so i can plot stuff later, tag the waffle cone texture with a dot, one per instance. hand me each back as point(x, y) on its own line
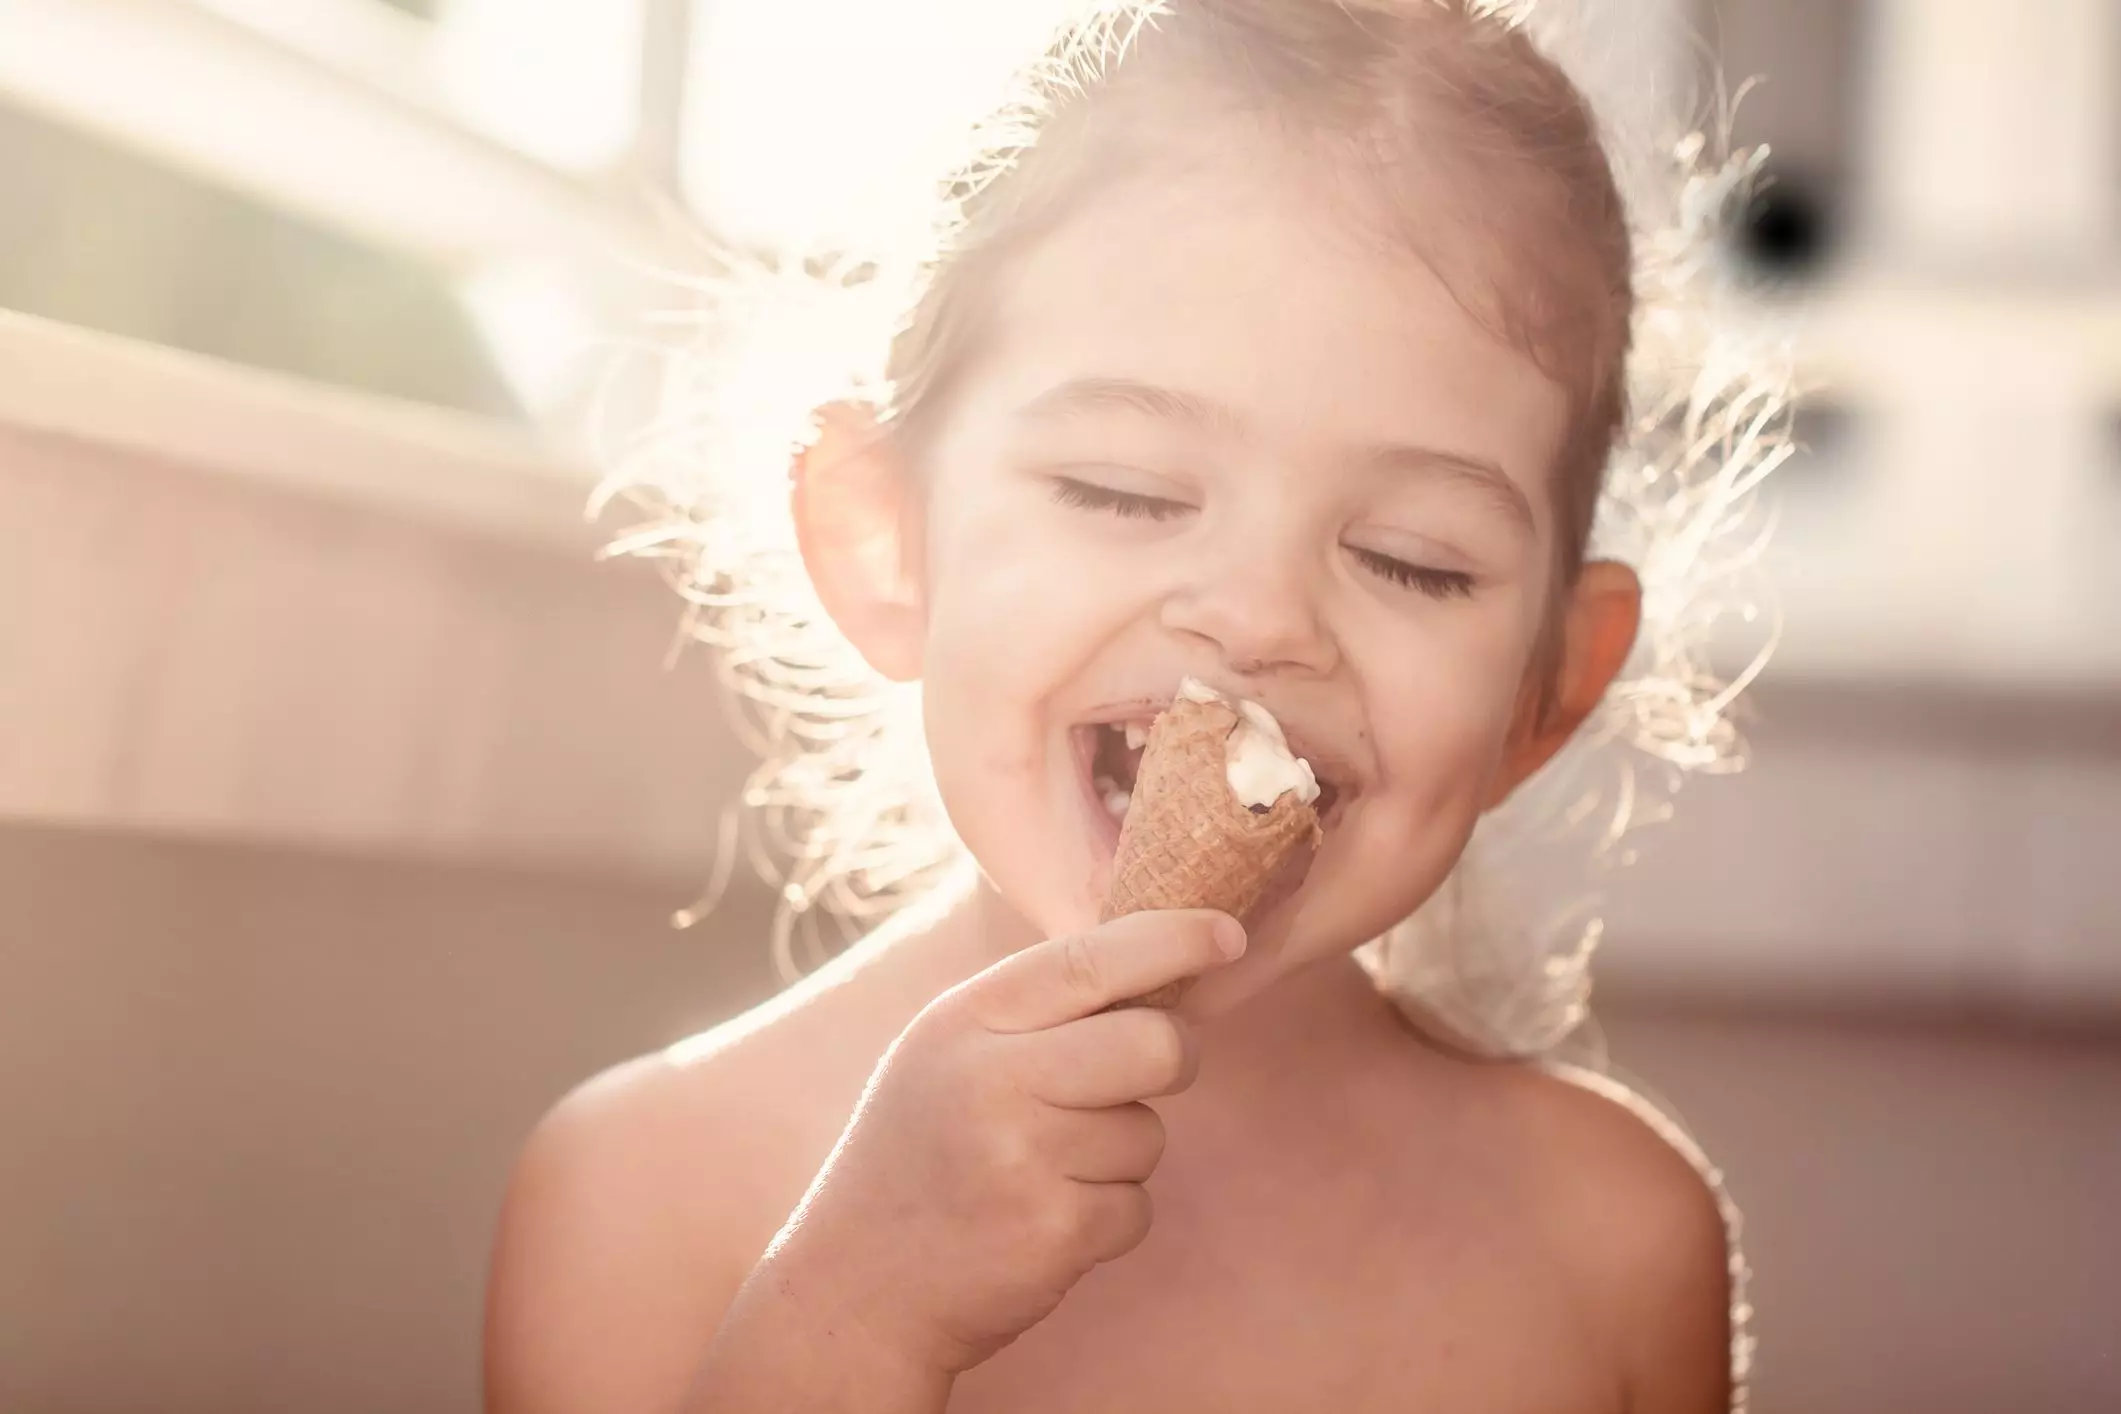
point(1187, 841)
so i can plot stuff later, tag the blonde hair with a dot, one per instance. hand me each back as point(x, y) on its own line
point(1540, 244)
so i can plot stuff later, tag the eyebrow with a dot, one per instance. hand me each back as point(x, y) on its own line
point(1477, 473)
point(1170, 404)
point(1131, 395)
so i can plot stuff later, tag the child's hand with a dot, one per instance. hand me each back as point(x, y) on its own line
point(999, 1151)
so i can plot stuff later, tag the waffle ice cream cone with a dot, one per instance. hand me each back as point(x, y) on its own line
point(1188, 841)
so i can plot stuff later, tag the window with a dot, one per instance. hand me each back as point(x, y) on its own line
point(434, 200)
point(559, 80)
point(449, 201)
point(108, 240)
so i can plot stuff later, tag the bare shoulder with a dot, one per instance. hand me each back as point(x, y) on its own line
point(643, 1198)
point(636, 1210)
point(612, 1260)
point(1637, 1228)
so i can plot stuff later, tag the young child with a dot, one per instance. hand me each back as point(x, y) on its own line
point(1291, 356)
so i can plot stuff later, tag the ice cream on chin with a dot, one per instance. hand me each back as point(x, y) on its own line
point(1261, 766)
point(1220, 813)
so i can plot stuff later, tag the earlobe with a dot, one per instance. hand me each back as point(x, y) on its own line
point(1601, 619)
point(857, 523)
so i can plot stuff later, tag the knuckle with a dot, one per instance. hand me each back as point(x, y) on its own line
point(1056, 1222)
point(932, 1039)
point(1011, 1151)
point(1016, 1141)
point(968, 1003)
point(1137, 1214)
point(1080, 969)
point(938, 1018)
point(969, 1006)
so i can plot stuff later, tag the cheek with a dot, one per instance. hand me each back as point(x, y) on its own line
point(1010, 622)
point(1008, 785)
point(1017, 597)
point(1000, 606)
point(1453, 695)
point(1442, 734)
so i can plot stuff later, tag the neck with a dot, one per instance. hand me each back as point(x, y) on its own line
point(1315, 1021)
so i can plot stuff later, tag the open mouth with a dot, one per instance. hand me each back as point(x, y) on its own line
point(1109, 756)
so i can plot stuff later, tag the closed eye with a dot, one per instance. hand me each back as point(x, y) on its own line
point(1134, 506)
point(1436, 583)
point(1085, 495)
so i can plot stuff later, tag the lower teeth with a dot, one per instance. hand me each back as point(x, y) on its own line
point(1115, 800)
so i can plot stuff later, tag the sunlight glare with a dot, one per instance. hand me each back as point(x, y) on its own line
point(536, 325)
point(790, 140)
point(559, 79)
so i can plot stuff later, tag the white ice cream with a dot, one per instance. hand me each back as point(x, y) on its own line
point(1261, 766)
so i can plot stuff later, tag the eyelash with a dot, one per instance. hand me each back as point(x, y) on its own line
point(1126, 504)
point(1436, 583)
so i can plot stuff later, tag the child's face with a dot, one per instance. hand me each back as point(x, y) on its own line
point(1209, 433)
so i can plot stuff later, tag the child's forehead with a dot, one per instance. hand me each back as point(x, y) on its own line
point(1258, 286)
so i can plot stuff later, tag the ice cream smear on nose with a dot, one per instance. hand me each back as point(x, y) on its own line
point(1261, 767)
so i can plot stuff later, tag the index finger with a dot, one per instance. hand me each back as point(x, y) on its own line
point(1065, 979)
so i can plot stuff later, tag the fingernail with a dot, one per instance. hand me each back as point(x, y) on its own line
point(1230, 937)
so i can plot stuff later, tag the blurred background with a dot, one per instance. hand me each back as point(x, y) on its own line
point(345, 799)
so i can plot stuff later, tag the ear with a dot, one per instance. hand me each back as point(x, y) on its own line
point(1599, 624)
point(857, 523)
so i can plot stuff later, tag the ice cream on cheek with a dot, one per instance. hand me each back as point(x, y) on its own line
point(1261, 767)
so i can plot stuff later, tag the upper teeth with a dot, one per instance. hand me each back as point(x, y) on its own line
point(1137, 736)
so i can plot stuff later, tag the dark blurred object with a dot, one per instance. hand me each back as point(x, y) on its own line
point(1784, 233)
point(1800, 63)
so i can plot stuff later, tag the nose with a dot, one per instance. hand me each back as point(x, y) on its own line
point(1256, 608)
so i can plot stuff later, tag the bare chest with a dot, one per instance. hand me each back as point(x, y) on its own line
point(1297, 1263)
point(1279, 1295)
